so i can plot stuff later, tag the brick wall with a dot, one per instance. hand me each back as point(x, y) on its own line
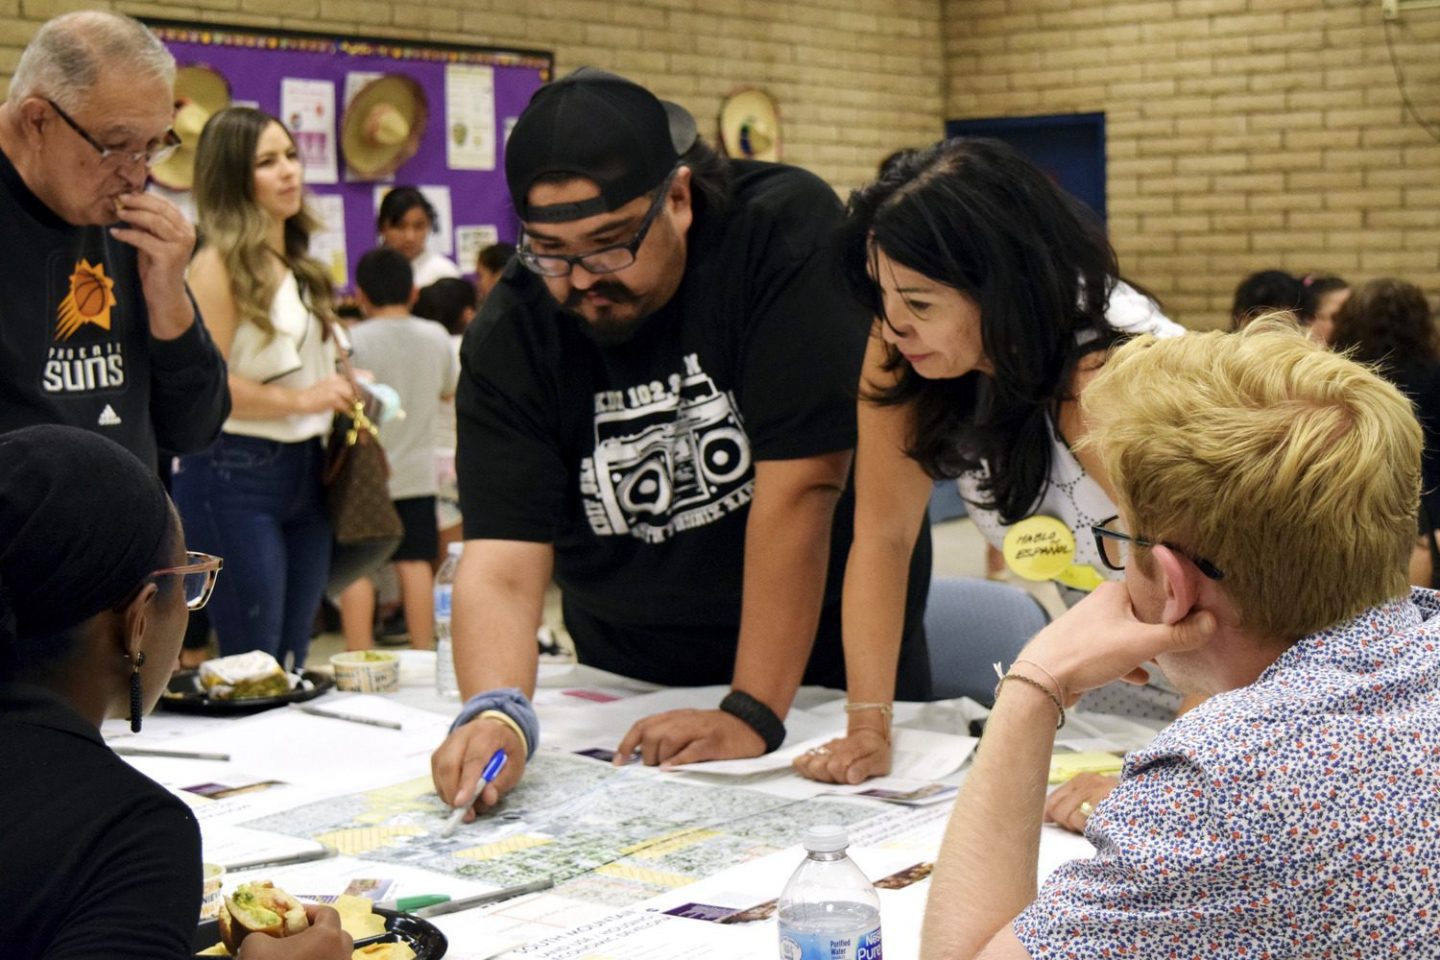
point(1242, 134)
point(854, 78)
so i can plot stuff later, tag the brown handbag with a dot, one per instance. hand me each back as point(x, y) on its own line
point(357, 473)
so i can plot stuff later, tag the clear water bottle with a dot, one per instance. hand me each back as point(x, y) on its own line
point(829, 909)
point(445, 683)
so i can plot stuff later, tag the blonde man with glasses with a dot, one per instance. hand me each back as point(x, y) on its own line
point(1267, 492)
point(101, 332)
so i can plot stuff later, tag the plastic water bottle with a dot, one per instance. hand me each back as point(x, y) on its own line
point(445, 683)
point(829, 909)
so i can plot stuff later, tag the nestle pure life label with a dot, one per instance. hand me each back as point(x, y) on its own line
point(829, 945)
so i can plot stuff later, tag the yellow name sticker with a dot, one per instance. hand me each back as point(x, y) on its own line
point(1043, 548)
point(1039, 548)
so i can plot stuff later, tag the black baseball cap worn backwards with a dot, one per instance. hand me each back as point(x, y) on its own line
point(597, 126)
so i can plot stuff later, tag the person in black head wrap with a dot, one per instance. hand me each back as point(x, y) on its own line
point(96, 860)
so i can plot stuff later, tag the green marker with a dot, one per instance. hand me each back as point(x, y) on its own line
point(411, 904)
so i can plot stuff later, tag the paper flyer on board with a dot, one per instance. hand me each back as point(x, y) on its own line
point(308, 109)
point(328, 243)
point(470, 240)
point(469, 117)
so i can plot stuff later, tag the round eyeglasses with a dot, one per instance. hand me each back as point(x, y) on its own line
point(1114, 547)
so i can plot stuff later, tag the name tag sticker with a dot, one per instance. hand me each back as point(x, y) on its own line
point(1039, 548)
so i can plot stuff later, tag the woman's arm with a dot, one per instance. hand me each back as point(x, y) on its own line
point(249, 399)
point(891, 495)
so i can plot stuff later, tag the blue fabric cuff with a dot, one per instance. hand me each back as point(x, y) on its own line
point(509, 701)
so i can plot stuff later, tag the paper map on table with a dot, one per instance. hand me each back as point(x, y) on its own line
point(613, 836)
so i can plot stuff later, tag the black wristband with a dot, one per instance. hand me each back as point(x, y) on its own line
point(757, 717)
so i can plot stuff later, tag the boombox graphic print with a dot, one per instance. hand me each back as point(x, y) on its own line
point(669, 456)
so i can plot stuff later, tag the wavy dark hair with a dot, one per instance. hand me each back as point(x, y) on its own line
point(1387, 322)
point(975, 215)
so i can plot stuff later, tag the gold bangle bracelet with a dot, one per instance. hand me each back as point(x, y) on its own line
point(499, 716)
point(1031, 681)
point(885, 708)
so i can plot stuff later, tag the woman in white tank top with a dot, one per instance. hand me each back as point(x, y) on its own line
point(996, 295)
point(255, 497)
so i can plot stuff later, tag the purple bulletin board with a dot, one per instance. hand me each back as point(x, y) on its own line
point(257, 62)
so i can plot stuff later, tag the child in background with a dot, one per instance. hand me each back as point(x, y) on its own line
point(414, 357)
point(450, 303)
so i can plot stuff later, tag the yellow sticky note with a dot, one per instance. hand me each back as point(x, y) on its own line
point(1066, 766)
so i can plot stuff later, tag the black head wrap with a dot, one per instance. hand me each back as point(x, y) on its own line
point(82, 523)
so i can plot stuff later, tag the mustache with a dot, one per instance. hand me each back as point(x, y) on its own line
point(611, 290)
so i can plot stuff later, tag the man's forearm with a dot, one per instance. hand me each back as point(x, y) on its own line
point(787, 553)
point(985, 873)
point(493, 630)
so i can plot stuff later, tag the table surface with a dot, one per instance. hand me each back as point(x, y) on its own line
point(627, 844)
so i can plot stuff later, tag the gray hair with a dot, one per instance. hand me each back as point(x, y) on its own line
point(64, 59)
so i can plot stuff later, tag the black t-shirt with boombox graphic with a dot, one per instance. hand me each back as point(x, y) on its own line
point(75, 344)
point(636, 461)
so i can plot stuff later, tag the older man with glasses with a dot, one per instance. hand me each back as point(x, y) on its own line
point(656, 405)
point(1268, 490)
point(101, 332)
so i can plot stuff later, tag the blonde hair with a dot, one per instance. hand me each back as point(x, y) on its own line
point(1294, 470)
point(234, 224)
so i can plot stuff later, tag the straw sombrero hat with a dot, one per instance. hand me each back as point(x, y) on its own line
point(750, 126)
point(383, 126)
point(199, 93)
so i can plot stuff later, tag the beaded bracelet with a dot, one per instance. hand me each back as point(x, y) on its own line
point(1031, 681)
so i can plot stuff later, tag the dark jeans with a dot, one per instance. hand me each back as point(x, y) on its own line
point(258, 503)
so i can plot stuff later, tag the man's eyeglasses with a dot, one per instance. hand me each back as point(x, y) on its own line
point(158, 151)
point(609, 259)
point(198, 575)
point(1114, 546)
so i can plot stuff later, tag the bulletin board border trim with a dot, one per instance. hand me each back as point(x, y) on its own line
point(394, 48)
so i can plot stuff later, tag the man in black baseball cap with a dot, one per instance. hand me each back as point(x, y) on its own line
point(657, 407)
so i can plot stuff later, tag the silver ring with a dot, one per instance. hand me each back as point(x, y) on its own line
point(1085, 809)
point(818, 752)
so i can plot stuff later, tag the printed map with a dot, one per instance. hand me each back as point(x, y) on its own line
point(611, 836)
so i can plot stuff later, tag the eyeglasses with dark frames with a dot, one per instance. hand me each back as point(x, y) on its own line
point(198, 575)
point(1114, 547)
point(609, 259)
point(157, 152)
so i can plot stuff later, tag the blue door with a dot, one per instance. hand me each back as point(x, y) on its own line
point(1070, 147)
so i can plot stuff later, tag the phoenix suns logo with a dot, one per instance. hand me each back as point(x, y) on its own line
point(91, 296)
point(85, 367)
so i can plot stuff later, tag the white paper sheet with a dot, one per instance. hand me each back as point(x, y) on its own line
point(469, 117)
point(917, 755)
point(328, 243)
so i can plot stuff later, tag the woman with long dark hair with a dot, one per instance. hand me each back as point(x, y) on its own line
point(996, 295)
point(255, 496)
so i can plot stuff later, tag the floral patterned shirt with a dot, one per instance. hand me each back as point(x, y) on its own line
point(1296, 817)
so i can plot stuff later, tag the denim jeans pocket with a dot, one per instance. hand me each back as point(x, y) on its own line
point(244, 453)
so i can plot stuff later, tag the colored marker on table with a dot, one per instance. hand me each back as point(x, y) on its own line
point(492, 770)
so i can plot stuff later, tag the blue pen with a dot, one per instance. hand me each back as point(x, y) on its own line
point(492, 770)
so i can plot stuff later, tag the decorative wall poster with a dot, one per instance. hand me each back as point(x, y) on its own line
point(470, 118)
point(258, 62)
point(308, 108)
